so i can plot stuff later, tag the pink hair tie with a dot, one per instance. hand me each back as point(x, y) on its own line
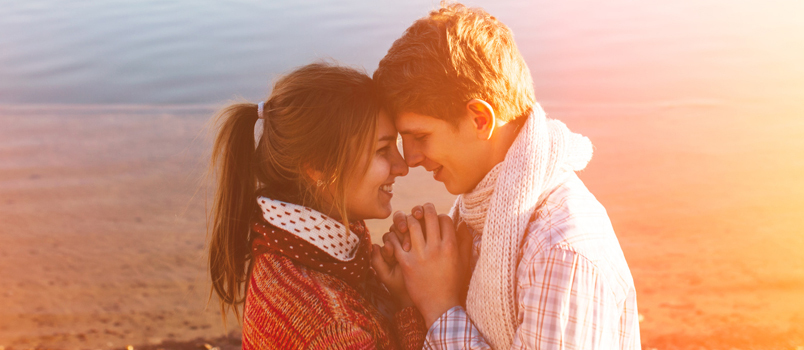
point(260, 107)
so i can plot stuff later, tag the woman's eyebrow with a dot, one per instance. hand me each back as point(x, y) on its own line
point(387, 138)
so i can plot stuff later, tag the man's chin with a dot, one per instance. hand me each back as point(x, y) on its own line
point(453, 188)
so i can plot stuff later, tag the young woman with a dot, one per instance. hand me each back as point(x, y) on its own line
point(288, 239)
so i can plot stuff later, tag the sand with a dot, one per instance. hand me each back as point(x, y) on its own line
point(103, 224)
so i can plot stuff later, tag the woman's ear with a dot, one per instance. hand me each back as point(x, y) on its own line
point(314, 175)
point(482, 118)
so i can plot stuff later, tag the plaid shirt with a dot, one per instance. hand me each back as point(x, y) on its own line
point(574, 288)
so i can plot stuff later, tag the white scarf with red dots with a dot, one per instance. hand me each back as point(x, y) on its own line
point(318, 229)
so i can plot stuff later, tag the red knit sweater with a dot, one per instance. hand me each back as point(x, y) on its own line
point(290, 305)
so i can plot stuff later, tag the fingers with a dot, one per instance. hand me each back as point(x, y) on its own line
point(387, 250)
point(406, 242)
point(399, 254)
point(400, 227)
point(447, 229)
point(417, 212)
point(404, 237)
point(379, 263)
point(400, 223)
point(416, 235)
point(431, 223)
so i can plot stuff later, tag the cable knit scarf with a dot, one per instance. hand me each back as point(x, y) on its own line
point(501, 207)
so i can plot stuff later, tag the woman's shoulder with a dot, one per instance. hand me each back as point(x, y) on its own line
point(292, 302)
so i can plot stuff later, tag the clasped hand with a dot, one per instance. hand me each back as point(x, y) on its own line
point(428, 266)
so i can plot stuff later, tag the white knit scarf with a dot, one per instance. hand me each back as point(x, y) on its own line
point(501, 207)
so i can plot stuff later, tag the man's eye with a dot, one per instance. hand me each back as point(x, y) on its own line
point(420, 137)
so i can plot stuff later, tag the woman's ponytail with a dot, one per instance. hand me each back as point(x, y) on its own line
point(234, 204)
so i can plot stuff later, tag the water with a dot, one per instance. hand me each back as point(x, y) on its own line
point(695, 107)
point(709, 52)
point(165, 52)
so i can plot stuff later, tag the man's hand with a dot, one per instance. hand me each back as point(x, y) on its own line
point(400, 229)
point(433, 269)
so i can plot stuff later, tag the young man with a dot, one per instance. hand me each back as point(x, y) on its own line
point(547, 269)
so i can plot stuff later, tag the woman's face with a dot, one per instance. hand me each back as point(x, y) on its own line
point(368, 196)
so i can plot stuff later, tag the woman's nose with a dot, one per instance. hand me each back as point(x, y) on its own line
point(398, 165)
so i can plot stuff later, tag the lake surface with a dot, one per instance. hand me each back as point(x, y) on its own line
point(703, 52)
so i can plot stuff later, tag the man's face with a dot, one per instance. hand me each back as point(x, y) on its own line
point(455, 155)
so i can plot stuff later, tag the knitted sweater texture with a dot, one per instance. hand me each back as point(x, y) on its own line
point(290, 305)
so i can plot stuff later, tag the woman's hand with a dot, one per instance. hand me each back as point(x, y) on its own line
point(390, 274)
point(434, 269)
point(400, 228)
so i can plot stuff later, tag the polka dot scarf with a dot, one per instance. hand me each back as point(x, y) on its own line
point(312, 239)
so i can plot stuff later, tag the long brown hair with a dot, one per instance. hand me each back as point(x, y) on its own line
point(315, 118)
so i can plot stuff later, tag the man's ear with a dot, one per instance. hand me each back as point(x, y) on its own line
point(483, 118)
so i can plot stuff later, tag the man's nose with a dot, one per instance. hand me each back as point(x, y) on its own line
point(413, 157)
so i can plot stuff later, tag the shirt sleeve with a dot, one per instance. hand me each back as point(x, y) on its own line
point(561, 304)
point(454, 330)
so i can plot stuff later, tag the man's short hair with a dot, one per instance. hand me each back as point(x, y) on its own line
point(452, 56)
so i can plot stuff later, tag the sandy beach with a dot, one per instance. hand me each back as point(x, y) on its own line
point(102, 212)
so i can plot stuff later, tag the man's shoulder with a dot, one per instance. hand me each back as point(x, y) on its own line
point(571, 217)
